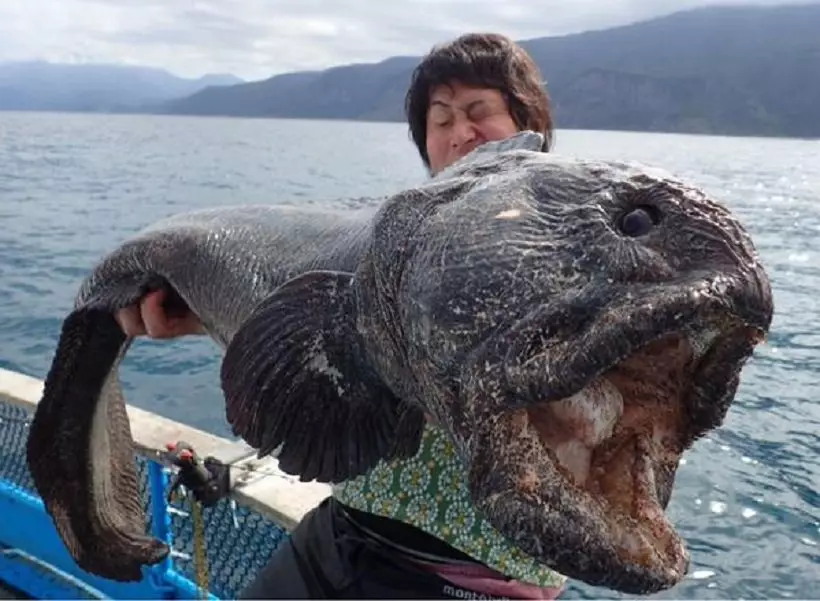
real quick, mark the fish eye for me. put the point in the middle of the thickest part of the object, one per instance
(639, 220)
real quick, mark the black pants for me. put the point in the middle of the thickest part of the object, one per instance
(328, 557)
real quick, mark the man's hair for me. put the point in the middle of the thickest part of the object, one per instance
(486, 60)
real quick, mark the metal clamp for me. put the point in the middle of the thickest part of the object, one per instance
(208, 479)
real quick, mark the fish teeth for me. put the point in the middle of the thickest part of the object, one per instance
(592, 413)
(571, 428)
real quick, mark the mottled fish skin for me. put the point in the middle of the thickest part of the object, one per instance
(541, 299)
(574, 325)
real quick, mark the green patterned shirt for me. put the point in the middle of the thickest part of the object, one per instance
(429, 491)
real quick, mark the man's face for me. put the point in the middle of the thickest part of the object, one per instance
(460, 118)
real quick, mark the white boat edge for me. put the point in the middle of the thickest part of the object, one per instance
(257, 484)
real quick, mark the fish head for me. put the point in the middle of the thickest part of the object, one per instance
(574, 326)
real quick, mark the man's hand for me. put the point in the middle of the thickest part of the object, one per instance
(149, 318)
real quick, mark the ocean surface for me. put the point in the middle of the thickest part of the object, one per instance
(73, 186)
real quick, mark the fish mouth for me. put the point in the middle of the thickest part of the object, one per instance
(577, 462)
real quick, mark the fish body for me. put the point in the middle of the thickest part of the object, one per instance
(573, 325)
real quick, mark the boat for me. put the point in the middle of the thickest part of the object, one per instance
(216, 550)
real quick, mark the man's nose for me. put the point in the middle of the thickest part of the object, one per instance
(464, 132)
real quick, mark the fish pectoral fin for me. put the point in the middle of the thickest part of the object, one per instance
(297, 383)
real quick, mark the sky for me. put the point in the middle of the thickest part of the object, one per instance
(255, 39)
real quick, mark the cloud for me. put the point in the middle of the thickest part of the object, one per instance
(258, 38)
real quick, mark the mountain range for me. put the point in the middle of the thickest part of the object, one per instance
(733, 70)
(44, 86)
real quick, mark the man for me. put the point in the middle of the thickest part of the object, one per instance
(475, 89)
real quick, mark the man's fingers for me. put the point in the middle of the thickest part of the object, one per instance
(149, 318)
(130, 321)
(157, 324)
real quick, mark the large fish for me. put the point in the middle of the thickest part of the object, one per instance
(573, 325)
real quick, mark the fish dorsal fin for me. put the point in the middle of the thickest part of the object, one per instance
(523, 140)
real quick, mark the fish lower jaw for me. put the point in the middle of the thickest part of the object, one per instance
(627, 494)
(609, 450)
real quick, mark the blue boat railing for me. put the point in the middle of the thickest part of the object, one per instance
(240, 532)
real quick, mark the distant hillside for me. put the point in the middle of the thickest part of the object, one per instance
(721, 70)
(41, 85)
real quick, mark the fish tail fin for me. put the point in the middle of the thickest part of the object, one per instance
(81, 454)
